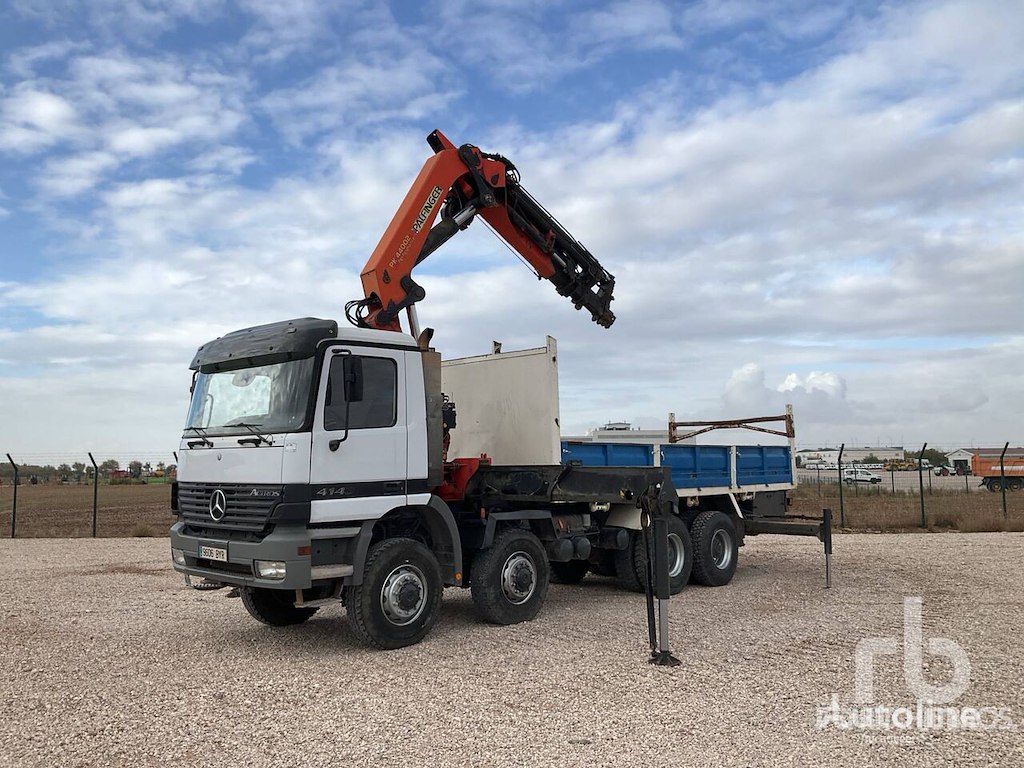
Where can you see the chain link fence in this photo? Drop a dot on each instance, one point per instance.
(983, 493)
(88, 493)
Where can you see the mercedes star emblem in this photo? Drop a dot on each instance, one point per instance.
(218, 505)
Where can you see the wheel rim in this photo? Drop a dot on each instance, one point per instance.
(676, 555)
(403, 595)
(518, 578)
(721, 549)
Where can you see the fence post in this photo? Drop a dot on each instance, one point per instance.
(842, 508)
(920, 481)
(95, 491)
(967, 487)
(14, 500)
(826, 531)
(892, 479)
(1002, 477)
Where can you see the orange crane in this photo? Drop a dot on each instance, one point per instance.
(461, 183)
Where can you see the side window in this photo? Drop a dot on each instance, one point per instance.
(375, 406)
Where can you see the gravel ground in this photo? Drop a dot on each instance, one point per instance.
(110, 660)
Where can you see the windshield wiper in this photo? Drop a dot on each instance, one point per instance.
(259, 438)
(203, 439)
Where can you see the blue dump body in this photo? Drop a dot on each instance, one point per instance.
(693, 466)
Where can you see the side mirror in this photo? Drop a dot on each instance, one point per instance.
(353, 379)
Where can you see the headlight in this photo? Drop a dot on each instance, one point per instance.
(270, 569)
(177, 556)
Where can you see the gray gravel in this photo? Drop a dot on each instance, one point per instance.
(110, 660)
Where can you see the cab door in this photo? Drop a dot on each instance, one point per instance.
(360, 435)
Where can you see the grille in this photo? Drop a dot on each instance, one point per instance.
(244, 512)
(217, 565)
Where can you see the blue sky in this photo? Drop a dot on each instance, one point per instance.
(802, 203)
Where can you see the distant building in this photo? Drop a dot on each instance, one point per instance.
(989, 453)
(851, 455)
(960, 454)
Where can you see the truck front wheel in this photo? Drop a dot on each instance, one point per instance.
(275, 607)
(715, 549)
(399, 601)
(509, 579)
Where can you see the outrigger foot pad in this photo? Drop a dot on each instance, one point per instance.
(663, 659)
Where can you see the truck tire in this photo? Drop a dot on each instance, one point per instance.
(399, 601)
(993, 484)
(275, 607)
(1014, 484)
(509, 579)
(571, 572)
(631, 562)
(715, 549)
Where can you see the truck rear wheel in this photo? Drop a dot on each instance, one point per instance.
(715, 549)
(509, 579)
(631, 562)
(399, 601)
(571, 572)
(275, 607)
(993, 484)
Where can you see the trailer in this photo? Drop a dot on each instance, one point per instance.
(999, 469)
(751, 483)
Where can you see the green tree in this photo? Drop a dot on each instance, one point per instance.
(936, 457)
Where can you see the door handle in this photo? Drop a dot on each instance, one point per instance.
(395, 485)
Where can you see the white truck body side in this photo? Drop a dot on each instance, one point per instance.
(507, 405)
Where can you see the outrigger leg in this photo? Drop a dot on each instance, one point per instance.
(654, 509)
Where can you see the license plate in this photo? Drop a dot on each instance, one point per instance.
(208, 552)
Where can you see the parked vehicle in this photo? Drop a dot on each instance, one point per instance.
(315, 463)
(1012, 473)
(900, 465)
(851, 476)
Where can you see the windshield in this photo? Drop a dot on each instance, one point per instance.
(270, 398)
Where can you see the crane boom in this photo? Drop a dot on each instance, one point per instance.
(460, 183)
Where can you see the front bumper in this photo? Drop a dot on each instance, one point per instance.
(281, 544)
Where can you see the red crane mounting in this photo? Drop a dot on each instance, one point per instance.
(461, 183)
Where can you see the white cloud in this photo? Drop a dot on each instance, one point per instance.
(849, 232)
(72, 175)
(830, 383)
(31, 119)
(110, 110)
